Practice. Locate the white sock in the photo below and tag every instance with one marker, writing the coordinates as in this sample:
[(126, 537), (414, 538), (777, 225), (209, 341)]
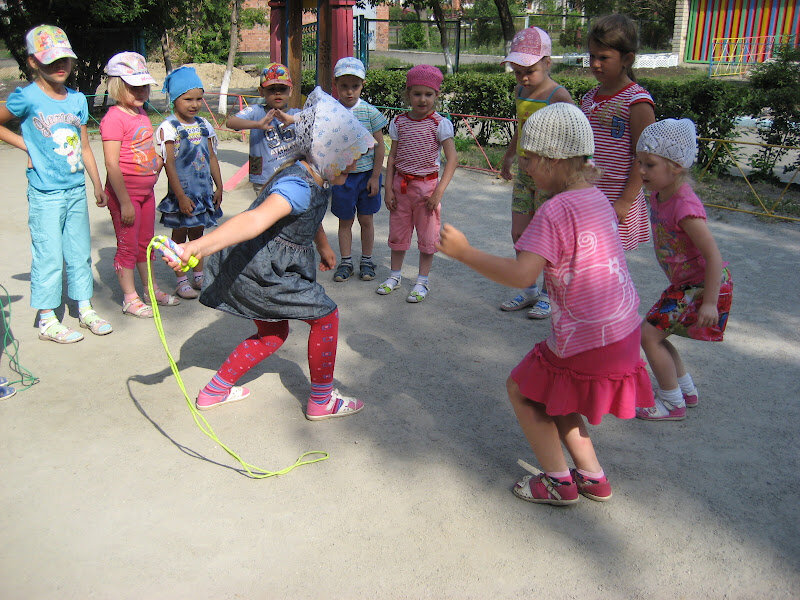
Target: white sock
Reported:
[(672, 397), (395, 274), (686, 383), (531, 291)]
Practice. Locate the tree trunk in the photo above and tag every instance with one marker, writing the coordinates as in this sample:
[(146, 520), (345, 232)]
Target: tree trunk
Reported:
[(506, 22), (165, 51), (234, 47), (438, 14)]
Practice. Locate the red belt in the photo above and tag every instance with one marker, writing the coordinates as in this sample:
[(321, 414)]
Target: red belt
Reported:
[(408, 177)]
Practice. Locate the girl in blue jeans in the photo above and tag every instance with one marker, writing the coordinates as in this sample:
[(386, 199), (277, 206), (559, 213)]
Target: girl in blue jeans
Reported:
[(54, 135)]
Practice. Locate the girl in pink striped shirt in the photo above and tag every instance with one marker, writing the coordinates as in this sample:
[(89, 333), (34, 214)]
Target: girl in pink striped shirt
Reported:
[(414, 190), (590, 365), (619, 109)]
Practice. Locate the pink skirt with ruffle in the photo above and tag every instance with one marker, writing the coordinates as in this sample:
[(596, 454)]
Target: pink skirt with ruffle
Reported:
[(611, 379)]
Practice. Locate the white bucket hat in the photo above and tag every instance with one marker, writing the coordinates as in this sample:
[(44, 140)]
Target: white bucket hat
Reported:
[(560, 130)]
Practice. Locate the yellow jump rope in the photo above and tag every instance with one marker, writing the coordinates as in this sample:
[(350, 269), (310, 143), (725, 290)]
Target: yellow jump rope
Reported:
[(168, 248)]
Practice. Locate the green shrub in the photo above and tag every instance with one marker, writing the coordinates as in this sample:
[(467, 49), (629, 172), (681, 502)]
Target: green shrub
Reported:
[(412, 36)]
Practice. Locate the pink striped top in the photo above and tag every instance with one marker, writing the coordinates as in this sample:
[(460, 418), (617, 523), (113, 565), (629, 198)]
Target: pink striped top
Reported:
[(614, 155), (419, 142), (591, 292)]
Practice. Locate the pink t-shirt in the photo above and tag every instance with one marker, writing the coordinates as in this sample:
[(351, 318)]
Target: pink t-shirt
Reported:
[(593, 297), (138, 160), (676, 253)]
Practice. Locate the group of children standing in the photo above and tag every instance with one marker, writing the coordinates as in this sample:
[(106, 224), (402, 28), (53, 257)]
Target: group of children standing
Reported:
[(577, 206)]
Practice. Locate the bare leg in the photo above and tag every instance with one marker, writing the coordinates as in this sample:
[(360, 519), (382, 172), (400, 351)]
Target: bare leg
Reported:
[(425, 263), (575, 436), (125, 277), (540, 430), (660, 354), (346, 237), (398, 256), (367, 234)]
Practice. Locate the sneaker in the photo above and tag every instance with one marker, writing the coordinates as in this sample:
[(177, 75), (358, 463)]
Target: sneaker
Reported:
[(661, 411), (519, 302), (540, 310), (691, 398), (544, 490), (598, 490), (237, 393), (339, 405), (343, 272), (366, 270)]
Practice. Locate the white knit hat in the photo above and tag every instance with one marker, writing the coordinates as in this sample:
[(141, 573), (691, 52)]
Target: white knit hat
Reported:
[(559, 130), (673, 139)]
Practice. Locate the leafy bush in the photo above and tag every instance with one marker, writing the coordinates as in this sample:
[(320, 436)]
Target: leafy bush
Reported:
[(412, 36), (775, 102)]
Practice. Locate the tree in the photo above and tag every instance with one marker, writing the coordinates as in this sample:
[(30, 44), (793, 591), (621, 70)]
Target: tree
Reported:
[(232, 49)]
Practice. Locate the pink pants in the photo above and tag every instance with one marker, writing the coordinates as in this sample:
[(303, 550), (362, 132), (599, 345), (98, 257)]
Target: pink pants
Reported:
[(412, 213), (132, 240)]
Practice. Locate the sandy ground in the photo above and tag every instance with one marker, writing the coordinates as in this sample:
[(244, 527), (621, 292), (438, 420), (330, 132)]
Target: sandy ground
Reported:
[(109, 490)]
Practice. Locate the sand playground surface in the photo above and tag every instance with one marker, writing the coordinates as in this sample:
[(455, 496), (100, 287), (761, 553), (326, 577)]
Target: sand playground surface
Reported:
[(109, 489)]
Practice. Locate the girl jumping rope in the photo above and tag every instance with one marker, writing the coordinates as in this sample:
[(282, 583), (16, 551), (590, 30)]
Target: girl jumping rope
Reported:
[(530, 60), (132, 167), (618, 109), (590, 364), (261, 262), (413, 189), (188, 145), (697, 302), (55, 137)]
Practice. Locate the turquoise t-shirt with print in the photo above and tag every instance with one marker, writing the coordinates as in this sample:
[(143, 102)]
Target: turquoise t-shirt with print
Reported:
[(52, 132)]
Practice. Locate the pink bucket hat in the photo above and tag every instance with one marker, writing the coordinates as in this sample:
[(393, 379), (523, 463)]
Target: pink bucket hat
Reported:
[(424, 75), (131, 67), (48, 43), (528, 47)]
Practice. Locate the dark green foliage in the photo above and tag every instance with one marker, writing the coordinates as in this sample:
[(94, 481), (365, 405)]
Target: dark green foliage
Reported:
[(712, 104), (412, 36), (775, 101)]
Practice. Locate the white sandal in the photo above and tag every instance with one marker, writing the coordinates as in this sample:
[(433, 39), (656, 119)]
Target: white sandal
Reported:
[(388, 286), (418, 293)]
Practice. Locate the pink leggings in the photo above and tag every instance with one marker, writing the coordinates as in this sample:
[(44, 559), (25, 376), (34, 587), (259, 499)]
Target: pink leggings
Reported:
[(322, 340), (132, 240)]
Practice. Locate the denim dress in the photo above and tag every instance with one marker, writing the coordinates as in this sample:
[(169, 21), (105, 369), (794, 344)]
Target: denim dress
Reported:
[(194, 172), (273, 277)]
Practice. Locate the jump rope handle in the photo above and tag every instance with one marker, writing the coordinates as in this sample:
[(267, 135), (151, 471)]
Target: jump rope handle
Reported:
[(170, 249)]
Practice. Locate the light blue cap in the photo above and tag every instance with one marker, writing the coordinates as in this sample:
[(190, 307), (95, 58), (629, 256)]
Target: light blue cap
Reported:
[(350, 65)]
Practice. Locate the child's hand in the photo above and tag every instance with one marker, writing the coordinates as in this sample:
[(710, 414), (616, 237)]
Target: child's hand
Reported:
[(388, 199), (505, 170), (374, 185), (283, 117), (186, 205), (707, 315), (127, 214), (621, 213), (186, 250), (327, 259), (434, 200), (266, 122), (452, 242), (217, 197), (100, 198)]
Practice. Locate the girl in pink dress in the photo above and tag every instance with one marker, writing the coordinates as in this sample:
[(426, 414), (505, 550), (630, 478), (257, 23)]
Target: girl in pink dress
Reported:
[(618, 109), (697, 302), (590, 365)]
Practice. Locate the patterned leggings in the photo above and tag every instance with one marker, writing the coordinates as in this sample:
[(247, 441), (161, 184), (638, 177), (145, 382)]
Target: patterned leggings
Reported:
[(322, 341)]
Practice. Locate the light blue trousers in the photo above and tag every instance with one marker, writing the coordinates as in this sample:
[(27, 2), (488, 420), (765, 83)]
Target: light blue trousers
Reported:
[(59, 224)]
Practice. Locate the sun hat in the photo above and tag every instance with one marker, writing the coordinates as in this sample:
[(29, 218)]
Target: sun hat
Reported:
[(673, 139), (329, 135), (275, 74), (559, 130), (48, 43), (131, 67), (349, 65), (180, 81), (424, 75), (528, 47)]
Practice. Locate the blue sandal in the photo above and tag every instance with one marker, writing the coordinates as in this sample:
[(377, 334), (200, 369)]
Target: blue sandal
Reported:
[(343, 272)]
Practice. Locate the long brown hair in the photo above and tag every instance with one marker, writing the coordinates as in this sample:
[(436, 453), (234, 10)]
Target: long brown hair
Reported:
[(619, 33)]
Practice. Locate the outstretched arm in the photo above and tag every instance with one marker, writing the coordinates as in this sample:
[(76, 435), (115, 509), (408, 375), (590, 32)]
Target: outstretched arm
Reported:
[(519, 272)]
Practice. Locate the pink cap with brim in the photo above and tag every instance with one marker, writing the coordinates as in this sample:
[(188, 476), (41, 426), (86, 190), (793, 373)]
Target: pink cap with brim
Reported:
[(528, 47), (131, 67), (48, 43)]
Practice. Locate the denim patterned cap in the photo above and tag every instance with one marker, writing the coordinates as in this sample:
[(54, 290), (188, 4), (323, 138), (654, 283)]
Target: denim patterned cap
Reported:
[(349, 65)]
